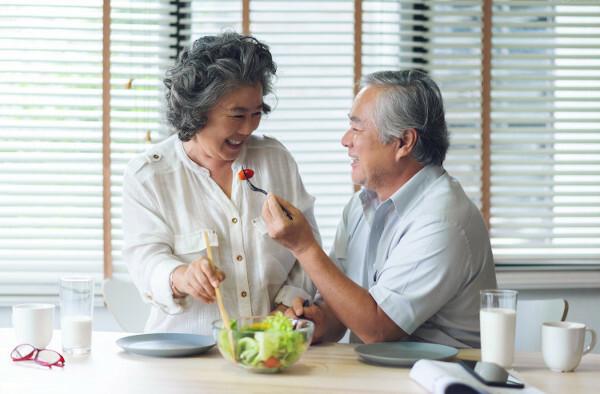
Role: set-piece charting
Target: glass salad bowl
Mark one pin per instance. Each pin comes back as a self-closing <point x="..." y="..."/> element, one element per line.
<point x="265" y="344"/>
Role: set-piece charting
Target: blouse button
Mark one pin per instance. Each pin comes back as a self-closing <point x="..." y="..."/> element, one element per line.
<point x="244" y="294"/>
<point x="239" y="257"/>
<point x="234" y="220"/>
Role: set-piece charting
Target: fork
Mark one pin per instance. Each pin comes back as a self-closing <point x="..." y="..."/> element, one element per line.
<point x="255" y="188"/>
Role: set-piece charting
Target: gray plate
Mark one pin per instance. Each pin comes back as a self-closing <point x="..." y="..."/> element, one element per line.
<point x="166" y="344"/>
<point x="403" y="354"/>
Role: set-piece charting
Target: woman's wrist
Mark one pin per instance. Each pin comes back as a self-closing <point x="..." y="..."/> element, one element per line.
<point x="174" y="290"/>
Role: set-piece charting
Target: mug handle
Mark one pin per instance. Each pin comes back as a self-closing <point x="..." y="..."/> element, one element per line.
<point x="589" y="347"/>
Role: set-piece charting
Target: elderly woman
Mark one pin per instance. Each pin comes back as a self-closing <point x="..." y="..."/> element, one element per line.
<point x="188" y="184"/>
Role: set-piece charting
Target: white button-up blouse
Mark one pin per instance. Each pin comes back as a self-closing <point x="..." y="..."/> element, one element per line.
<point x="169" y="201"/>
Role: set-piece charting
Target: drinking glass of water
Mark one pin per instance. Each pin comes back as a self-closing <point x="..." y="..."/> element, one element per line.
<point x="76" y="310"/>
<point x="497" y="318"/>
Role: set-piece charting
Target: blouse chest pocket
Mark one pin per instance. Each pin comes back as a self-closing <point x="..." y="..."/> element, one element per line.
<point x="190" y="246"/>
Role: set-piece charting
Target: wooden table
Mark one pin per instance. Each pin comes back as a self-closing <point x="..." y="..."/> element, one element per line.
<point x="332" y="368"/>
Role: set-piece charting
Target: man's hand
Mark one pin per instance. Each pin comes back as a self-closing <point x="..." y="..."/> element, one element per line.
<point x="295" y="234"/>
<point x="311" y="312"/>
<point x="198" y="279"/>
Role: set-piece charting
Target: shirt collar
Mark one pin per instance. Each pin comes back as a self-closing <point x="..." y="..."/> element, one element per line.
<point x="406" y="195"/>
<point x="369" y="202"/>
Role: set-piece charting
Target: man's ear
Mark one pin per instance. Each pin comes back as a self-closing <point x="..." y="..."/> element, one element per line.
<point x="407" y="143"/>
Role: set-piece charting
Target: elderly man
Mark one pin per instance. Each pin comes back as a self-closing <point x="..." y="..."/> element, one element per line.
<point x="411" y="252"/>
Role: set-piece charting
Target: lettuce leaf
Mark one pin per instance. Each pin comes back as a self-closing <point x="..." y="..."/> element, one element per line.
<point x="248" y="349"/>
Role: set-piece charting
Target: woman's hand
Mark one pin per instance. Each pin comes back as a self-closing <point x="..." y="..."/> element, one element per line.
<point x="197" y="279"/>
<point x="279" y="308"/>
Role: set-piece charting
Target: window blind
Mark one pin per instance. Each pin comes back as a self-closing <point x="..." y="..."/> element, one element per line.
<point x="142" y="47"/>
<point x="314" y="94"/>
<point x="444" y="39"/>
<point x="545" y="180"/>
<point x="51" y="144"/>
<point x="51" y="131"/>
<point x="215" y="16"/>
<point x="454" y="60"/>
<point x="545" y="172"/>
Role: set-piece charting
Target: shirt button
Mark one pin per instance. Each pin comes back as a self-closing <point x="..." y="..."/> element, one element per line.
<point x="234" y="220"/>
<point x="239" y="257"/>
<point x="244" y="294"/>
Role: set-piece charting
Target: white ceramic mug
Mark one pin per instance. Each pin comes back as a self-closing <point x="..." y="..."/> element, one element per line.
<point x="563" y="344"/>
<point x="33" y="324"/>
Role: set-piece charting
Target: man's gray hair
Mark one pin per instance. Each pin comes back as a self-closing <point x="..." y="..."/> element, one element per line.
<point x="213" y="67"/>
<point x="411" y="100"/>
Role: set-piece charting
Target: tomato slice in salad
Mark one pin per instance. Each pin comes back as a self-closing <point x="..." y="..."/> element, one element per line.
<point x="272" y="362"/>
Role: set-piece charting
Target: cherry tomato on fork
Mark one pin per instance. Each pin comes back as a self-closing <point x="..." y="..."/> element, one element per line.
<point x="245" y="174"/>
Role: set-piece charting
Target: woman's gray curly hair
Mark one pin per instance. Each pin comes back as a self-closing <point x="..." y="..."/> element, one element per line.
<point x="211" y="68"/>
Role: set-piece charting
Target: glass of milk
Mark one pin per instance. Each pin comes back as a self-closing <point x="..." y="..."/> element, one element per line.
<point x="497" y="318"/>
<point x="76" y="310"/>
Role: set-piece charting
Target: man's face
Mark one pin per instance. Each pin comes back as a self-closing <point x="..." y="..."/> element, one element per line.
<point x="230" y="123"/>
<point x="372" y="161"/>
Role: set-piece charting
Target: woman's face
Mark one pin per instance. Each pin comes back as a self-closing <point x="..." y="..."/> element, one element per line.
<point x="230" y="122"/>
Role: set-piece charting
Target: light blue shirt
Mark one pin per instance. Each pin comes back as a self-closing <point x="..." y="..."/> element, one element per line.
<point x="424" y="254"/>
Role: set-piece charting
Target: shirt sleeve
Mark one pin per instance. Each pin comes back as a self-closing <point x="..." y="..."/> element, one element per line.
<point x="424" y="270"/>
<point x="147" y="246"/>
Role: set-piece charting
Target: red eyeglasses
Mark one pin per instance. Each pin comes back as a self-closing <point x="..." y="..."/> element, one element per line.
<point x="46" y="357"/>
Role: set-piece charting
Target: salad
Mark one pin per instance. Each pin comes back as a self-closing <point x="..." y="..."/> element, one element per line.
<point x="272" y="343"/>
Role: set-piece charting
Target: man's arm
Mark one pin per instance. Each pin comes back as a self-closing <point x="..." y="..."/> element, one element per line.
<point x="352" y="305"/>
